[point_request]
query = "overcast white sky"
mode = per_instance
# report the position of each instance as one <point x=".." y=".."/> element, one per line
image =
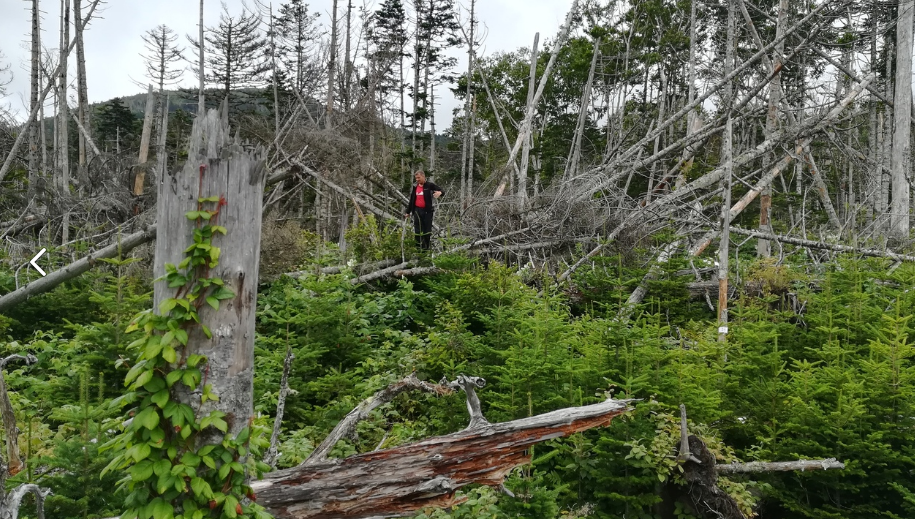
<point x="113" y="41"/>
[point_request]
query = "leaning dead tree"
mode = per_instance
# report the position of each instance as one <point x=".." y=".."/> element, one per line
<point x="402" y="480"/>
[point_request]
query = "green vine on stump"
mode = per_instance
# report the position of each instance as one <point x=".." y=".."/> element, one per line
<point x="170" y="473"/>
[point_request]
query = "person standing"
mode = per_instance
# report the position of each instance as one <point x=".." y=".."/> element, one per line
<point x="421" y="200"/>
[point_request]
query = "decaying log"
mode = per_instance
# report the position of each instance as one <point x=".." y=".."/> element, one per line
<point x="400" y="481"/>
<point x="417" y="271"/>
<point x="779" y="466"/>
<point x="346" y="426"/>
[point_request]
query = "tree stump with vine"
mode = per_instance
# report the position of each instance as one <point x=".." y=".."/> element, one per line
<point x="221" y="185"/>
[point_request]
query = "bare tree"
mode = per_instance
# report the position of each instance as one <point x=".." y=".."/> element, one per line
<point x="35" y="86"/>
<point x="63" y="123"/>
<point x="161" y="55"/>
<point x="331" y="69"/>
<point x="902" y="128"/>
<point x="82" y="95"/>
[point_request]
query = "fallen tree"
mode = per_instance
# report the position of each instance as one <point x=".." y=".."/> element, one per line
<point x="402" y="480"/>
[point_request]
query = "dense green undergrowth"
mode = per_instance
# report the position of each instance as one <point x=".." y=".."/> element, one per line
<point x="818" y="364"/>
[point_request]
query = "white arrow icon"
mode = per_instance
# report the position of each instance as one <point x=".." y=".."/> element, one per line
<point x="42" y="251"/>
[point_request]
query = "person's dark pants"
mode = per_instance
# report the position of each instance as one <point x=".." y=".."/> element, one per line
<point x="422" y="225"/>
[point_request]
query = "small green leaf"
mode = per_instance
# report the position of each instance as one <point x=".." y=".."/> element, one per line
<point x="229" y="507"/>
<point x="167" y="305"/>
<point x="174" y="376"/>
<point x="192" y="215"/>
<point x="148" y="418"/>
<point x="190" y="459"/>
<point x="161" y="398"/>
<point x="162" y="509"/>
<point x="206" y="331"/>
<point x="141" y="471"/>
<point x="162" y="466"/>
<point x="212" y="301"/>
<point x="224" y="293"/>
<point x="201" y="488"/>
<point x="169" y="354"/>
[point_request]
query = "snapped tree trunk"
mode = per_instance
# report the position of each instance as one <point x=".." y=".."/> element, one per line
<point x="82" y="96"/>
<point x="144" y="142"/>
<point x="218" y="165"/>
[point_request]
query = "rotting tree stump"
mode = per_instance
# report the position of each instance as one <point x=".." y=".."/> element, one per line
<point x="402" y="480"/>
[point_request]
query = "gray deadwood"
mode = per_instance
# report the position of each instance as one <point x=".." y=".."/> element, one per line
<point x="218" y="165"/>
<point x="144" y="142"/>
<point x="402" y="480"/>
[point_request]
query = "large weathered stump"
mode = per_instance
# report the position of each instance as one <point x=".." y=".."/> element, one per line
<point x="218" y="165"/>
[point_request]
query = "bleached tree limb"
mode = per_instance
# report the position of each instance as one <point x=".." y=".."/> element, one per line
<point x="808" y="126"/>
<point x="347" y="426"/>
<point x="469" y="385"/>
<point x="10" y="504"/>
<point x="526" y="124"/>
<point x="778" y="466"/>
<point x="402" y="480"/>
<point x="639" y="293"/>
<point x="85" y="135"/>
<point x="812" y="244"/>
<point x="271" y="455"/>
<point x="650" y="136"/>
<point x="417" y="271"/>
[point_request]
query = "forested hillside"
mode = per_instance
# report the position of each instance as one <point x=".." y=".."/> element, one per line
<point x="670" y="276"/>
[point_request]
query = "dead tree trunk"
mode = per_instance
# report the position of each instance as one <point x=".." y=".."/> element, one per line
<point x="144" y="142"/>
<point x="526" y="127"/>
<point x="763" y="248"/>
<point x="33" y="98"/>
<point x="902" y="128"/>
<point x="218" y="166"/>
<point x="200" y="67"/>
<point x="82" y="95"/>
<point x="466" y="187"/>
<point x="727" y="153"/>
<point x="331" y="69"/>
<point x="63" y="126"/>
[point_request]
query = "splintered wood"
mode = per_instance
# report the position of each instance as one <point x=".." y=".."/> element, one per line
<point x="403" y="480"/>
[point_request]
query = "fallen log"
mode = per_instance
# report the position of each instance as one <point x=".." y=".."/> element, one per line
<point x="801" y="242"/>
<point x="402" y="480"/>
<point x="120" y="245"/>
<point x="778" y="466"/>
<point x="78" y="267"/>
